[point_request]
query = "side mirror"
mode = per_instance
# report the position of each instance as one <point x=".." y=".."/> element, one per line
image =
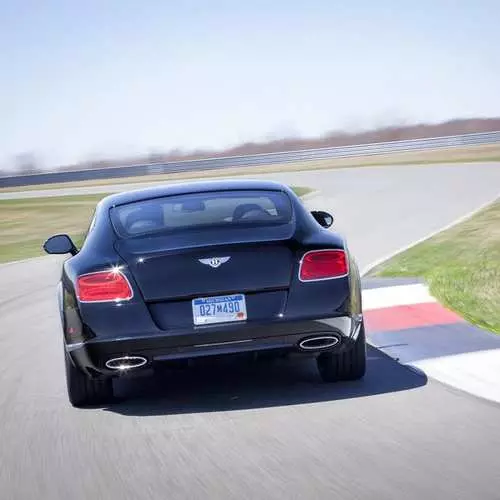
<point x="323" y="218"/>
<point x="60" y="244"/>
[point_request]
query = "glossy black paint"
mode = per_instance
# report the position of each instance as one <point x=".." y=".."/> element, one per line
<point x="157" y="321"/>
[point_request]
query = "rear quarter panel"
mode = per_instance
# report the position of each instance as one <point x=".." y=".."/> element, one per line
<point x="322" y="298"/>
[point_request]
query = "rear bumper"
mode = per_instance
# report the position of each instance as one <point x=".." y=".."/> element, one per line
<point x="91" y="355"/>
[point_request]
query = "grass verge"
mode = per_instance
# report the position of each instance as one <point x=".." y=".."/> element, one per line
<point x="26" y="223"/>
<point x="461" y="266"/>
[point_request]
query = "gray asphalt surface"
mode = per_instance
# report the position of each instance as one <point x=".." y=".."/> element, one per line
<point x="238" y="430"/>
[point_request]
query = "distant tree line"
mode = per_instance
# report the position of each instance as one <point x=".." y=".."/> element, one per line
<point x="26" y="163"/>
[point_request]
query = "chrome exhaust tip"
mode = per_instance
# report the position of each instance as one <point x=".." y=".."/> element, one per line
<point x="318" y="343"/>
<point x="125" y="363"/>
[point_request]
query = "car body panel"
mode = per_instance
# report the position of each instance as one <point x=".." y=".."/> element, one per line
<point x="164" y="275"/>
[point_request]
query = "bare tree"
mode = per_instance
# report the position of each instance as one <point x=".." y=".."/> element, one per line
<point x="26" y="163"/>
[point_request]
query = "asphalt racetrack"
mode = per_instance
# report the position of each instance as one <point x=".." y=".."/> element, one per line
<point x="255" y="430"/>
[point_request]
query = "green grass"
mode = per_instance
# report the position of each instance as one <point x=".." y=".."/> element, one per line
<point x="26" y="223"/>
<point x="301" y="191"/>
<point x="461" y="266"/>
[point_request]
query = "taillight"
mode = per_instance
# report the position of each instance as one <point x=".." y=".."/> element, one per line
<point x="103" y="286"/>
<point x="323" y="264"/>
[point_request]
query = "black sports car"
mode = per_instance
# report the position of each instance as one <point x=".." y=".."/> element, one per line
<point x="201" y="269"/>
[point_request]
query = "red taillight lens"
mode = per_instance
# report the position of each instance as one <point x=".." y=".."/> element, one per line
<point x="103" y="286"/>
<point x="323" y="264"/>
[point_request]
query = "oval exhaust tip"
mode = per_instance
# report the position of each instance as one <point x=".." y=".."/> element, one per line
<point x="316" y="343"/>
<point x="126" y="362"/>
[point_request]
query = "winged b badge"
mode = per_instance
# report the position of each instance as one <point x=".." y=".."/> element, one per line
<point x="214" y="261"/>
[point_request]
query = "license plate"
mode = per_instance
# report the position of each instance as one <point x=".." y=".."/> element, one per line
<point x="222" y="309"/>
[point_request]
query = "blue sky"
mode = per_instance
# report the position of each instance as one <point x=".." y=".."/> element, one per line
<point x="83" y="80"/>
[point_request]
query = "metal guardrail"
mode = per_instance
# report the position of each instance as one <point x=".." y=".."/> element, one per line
<point x="378" y="148"/>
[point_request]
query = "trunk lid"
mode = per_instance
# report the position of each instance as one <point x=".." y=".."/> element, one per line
<point x="178" y="266"/>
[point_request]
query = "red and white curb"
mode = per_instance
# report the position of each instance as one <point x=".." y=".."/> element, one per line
<point x="400" y="307"/>
<point x="409" y="324"/>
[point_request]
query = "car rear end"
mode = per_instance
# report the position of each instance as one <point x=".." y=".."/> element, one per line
<point x="211" y="273"/>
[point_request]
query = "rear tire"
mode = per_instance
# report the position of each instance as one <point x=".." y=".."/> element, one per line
<point x="84" y="391"/>
<point x="348" y="365"/>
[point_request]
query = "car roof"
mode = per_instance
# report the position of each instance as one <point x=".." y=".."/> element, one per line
<point x="190" y="187"/>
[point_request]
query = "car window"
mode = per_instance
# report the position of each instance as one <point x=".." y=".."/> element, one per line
<point x="214" y="209"/>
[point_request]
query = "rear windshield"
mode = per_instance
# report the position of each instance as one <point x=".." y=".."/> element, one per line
<point x="202" y="210"/>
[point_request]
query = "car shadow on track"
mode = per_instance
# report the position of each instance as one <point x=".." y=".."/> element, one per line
<point x="233" y="384"/>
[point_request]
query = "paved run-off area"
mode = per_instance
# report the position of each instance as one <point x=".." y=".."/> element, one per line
<point x="244" y="431"/>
